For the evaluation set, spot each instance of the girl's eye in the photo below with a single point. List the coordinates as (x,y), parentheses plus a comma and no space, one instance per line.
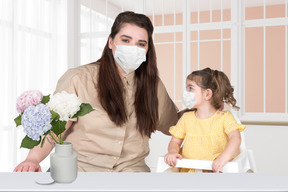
(189,88)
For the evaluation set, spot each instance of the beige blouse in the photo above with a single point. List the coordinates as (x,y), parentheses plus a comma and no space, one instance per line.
(98,142)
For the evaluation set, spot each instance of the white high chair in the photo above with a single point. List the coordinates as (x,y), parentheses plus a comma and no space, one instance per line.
(243,163)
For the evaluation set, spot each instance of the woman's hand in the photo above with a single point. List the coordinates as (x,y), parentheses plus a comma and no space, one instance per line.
(28,166)
(170,158)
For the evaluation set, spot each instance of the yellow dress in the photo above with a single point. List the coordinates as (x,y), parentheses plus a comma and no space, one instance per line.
(204,139)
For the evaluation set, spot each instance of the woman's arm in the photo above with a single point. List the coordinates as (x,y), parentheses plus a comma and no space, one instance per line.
(37,154)
(167,110)
(230,150)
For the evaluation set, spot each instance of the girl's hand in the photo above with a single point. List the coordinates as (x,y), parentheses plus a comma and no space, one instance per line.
(170,158)
(219,163)
(230,150)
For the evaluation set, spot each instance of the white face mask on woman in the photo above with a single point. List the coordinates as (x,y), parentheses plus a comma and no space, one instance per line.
(129,57)
(188,99)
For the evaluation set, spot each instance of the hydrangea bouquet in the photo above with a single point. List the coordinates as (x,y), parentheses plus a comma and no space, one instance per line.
(41,115)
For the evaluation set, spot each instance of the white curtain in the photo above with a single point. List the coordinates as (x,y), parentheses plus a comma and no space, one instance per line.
(94,29)
(33,55)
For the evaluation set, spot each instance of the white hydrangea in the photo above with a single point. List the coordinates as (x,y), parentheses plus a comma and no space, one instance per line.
(65,104)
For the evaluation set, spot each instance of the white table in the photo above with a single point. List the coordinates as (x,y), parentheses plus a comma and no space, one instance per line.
(148,182)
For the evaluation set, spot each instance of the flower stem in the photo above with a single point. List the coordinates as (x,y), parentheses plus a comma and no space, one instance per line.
(60,139)
(53,137)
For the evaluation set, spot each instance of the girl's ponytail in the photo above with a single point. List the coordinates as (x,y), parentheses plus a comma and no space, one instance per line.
(224,91)
(218,82)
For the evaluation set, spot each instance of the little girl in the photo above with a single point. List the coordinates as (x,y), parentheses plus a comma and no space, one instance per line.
(208,133)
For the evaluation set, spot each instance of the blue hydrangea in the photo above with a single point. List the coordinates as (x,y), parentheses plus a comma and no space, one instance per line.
(36,121)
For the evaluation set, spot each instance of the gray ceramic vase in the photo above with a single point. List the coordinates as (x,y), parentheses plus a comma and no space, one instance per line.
(63,163)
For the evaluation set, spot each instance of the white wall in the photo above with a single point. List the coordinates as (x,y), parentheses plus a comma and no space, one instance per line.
(158,147)
(269,145)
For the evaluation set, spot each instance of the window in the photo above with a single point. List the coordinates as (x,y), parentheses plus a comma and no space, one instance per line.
(265,43)
(245,39)
(33,56)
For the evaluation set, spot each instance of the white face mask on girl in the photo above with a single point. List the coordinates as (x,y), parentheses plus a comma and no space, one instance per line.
(129,57)
(188,99)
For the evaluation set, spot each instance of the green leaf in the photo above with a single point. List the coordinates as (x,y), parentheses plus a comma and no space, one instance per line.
(18,120)
(58,127)
(55,116)
(85,108)
(29,143)
(45,99)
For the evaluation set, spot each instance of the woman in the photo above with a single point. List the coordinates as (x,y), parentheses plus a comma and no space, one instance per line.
(129,99)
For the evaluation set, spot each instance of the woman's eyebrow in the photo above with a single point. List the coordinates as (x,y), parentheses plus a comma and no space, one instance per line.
(144,41)
(129,37)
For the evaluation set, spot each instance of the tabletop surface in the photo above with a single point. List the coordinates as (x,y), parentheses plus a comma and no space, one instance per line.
(94,181)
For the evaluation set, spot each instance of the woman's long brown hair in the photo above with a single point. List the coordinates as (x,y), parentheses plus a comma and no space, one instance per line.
(110,86)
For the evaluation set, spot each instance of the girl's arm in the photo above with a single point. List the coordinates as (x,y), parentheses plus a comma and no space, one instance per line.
(230,150)
(173,151)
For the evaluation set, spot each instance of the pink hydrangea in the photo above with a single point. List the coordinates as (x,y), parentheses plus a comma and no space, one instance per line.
(28,98)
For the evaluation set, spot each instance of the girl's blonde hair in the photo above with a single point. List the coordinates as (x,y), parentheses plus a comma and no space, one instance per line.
(218,82)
